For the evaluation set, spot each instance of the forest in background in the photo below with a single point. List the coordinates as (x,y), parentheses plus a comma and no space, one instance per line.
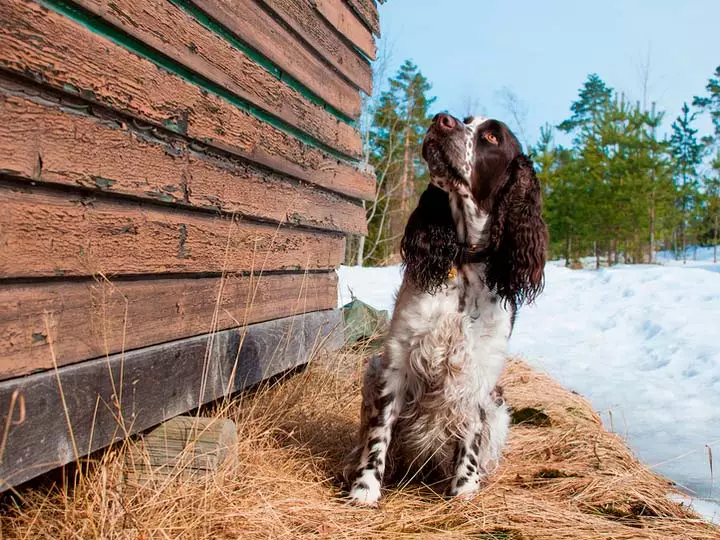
(618,191)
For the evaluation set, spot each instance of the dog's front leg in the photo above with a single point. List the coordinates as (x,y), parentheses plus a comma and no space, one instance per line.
(468,467)
(383,399)
(479,452)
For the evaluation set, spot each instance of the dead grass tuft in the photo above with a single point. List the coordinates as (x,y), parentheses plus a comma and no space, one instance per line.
(563,477)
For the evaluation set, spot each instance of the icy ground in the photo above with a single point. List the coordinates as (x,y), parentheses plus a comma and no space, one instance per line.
(642,343)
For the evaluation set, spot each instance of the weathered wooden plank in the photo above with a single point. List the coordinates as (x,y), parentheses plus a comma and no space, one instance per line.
(323,36)
(143,388)
(261,31)
(341,17)
(93,318)
(48,233)
(54,50)
(169,29)
(41,142)
(185,448)
(367,12)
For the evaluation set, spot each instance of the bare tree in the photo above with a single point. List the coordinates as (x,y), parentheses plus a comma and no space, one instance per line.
(369,106)
(471,106)
(517,110)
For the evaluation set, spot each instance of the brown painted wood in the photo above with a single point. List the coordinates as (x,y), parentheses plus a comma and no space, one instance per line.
(169,29)
(143,388)
(367,12)
(50,233)
(56,51)
(41,142)
(342,18)
(247,19)
(96,317)
(324,37)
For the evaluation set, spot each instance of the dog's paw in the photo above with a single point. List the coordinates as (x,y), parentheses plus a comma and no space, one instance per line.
(365,491)
(464,490)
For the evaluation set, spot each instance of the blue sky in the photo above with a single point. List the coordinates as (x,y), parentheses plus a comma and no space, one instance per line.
(543,51)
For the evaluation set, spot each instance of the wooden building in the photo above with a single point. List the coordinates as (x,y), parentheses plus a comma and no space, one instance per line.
(177,178)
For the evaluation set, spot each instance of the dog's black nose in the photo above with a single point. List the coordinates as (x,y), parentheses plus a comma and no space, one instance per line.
(445,122)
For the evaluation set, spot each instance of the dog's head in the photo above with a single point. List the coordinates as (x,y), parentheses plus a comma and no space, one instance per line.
(480,158)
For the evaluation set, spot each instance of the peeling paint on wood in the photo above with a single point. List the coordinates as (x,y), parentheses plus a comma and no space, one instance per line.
(81,150)
(173,31)
(133,85)
(43,232)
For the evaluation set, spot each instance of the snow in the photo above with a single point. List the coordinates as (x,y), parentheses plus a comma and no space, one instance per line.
(641,342)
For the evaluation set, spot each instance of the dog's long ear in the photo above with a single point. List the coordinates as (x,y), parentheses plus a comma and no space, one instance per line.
(429,245)
(518,236)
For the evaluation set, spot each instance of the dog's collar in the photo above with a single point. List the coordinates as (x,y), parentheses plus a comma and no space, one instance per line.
(471,253)
(468,254)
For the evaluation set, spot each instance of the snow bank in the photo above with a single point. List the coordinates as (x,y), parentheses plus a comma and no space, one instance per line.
(642,343)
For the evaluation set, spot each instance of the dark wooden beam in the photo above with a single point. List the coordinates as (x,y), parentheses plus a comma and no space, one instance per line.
(106,399)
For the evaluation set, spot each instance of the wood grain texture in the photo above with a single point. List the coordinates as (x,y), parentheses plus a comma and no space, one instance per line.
(261,31)
(184,448)
(341,17)
(94,318)
(41,142)
(56,51)
(324,37)
(367,12)
(169,29)
(48,233)
(143,388)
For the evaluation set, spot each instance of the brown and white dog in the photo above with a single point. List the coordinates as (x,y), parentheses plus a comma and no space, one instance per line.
(474,252)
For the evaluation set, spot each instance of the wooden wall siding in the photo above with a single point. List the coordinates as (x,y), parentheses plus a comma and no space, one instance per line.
(367,12)
(271,38)
(342,18)
(174,32)
(94,318)
(144,388)
(42,140)
(76,60)
(322,36)
(47,233)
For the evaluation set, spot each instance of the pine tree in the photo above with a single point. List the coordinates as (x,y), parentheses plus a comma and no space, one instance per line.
(712,198)
(612,191)
(593,98)
(711,102)
(399,125)
(687,152)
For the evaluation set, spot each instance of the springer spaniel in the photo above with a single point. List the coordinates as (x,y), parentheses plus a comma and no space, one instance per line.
(474,251)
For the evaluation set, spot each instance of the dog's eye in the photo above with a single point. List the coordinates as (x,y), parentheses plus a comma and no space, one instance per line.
(489,137)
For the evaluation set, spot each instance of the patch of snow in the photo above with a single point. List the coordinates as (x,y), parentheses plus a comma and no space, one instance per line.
(707,508)
(377,287)
(641,342)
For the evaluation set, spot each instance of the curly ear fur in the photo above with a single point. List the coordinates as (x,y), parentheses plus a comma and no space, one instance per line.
(518,236)
(429,245)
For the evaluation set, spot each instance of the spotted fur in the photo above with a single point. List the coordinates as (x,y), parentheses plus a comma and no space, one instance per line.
(432,400)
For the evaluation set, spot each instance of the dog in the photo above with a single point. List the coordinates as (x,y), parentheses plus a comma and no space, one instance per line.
(474,251)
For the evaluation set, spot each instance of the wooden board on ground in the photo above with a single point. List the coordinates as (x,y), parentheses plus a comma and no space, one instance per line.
(181,449)
(172,31)
(107,399)
(68,322)
(75,60)
(43,141)
(47,233)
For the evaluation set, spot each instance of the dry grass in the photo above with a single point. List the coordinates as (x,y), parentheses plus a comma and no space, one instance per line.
(564,477)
